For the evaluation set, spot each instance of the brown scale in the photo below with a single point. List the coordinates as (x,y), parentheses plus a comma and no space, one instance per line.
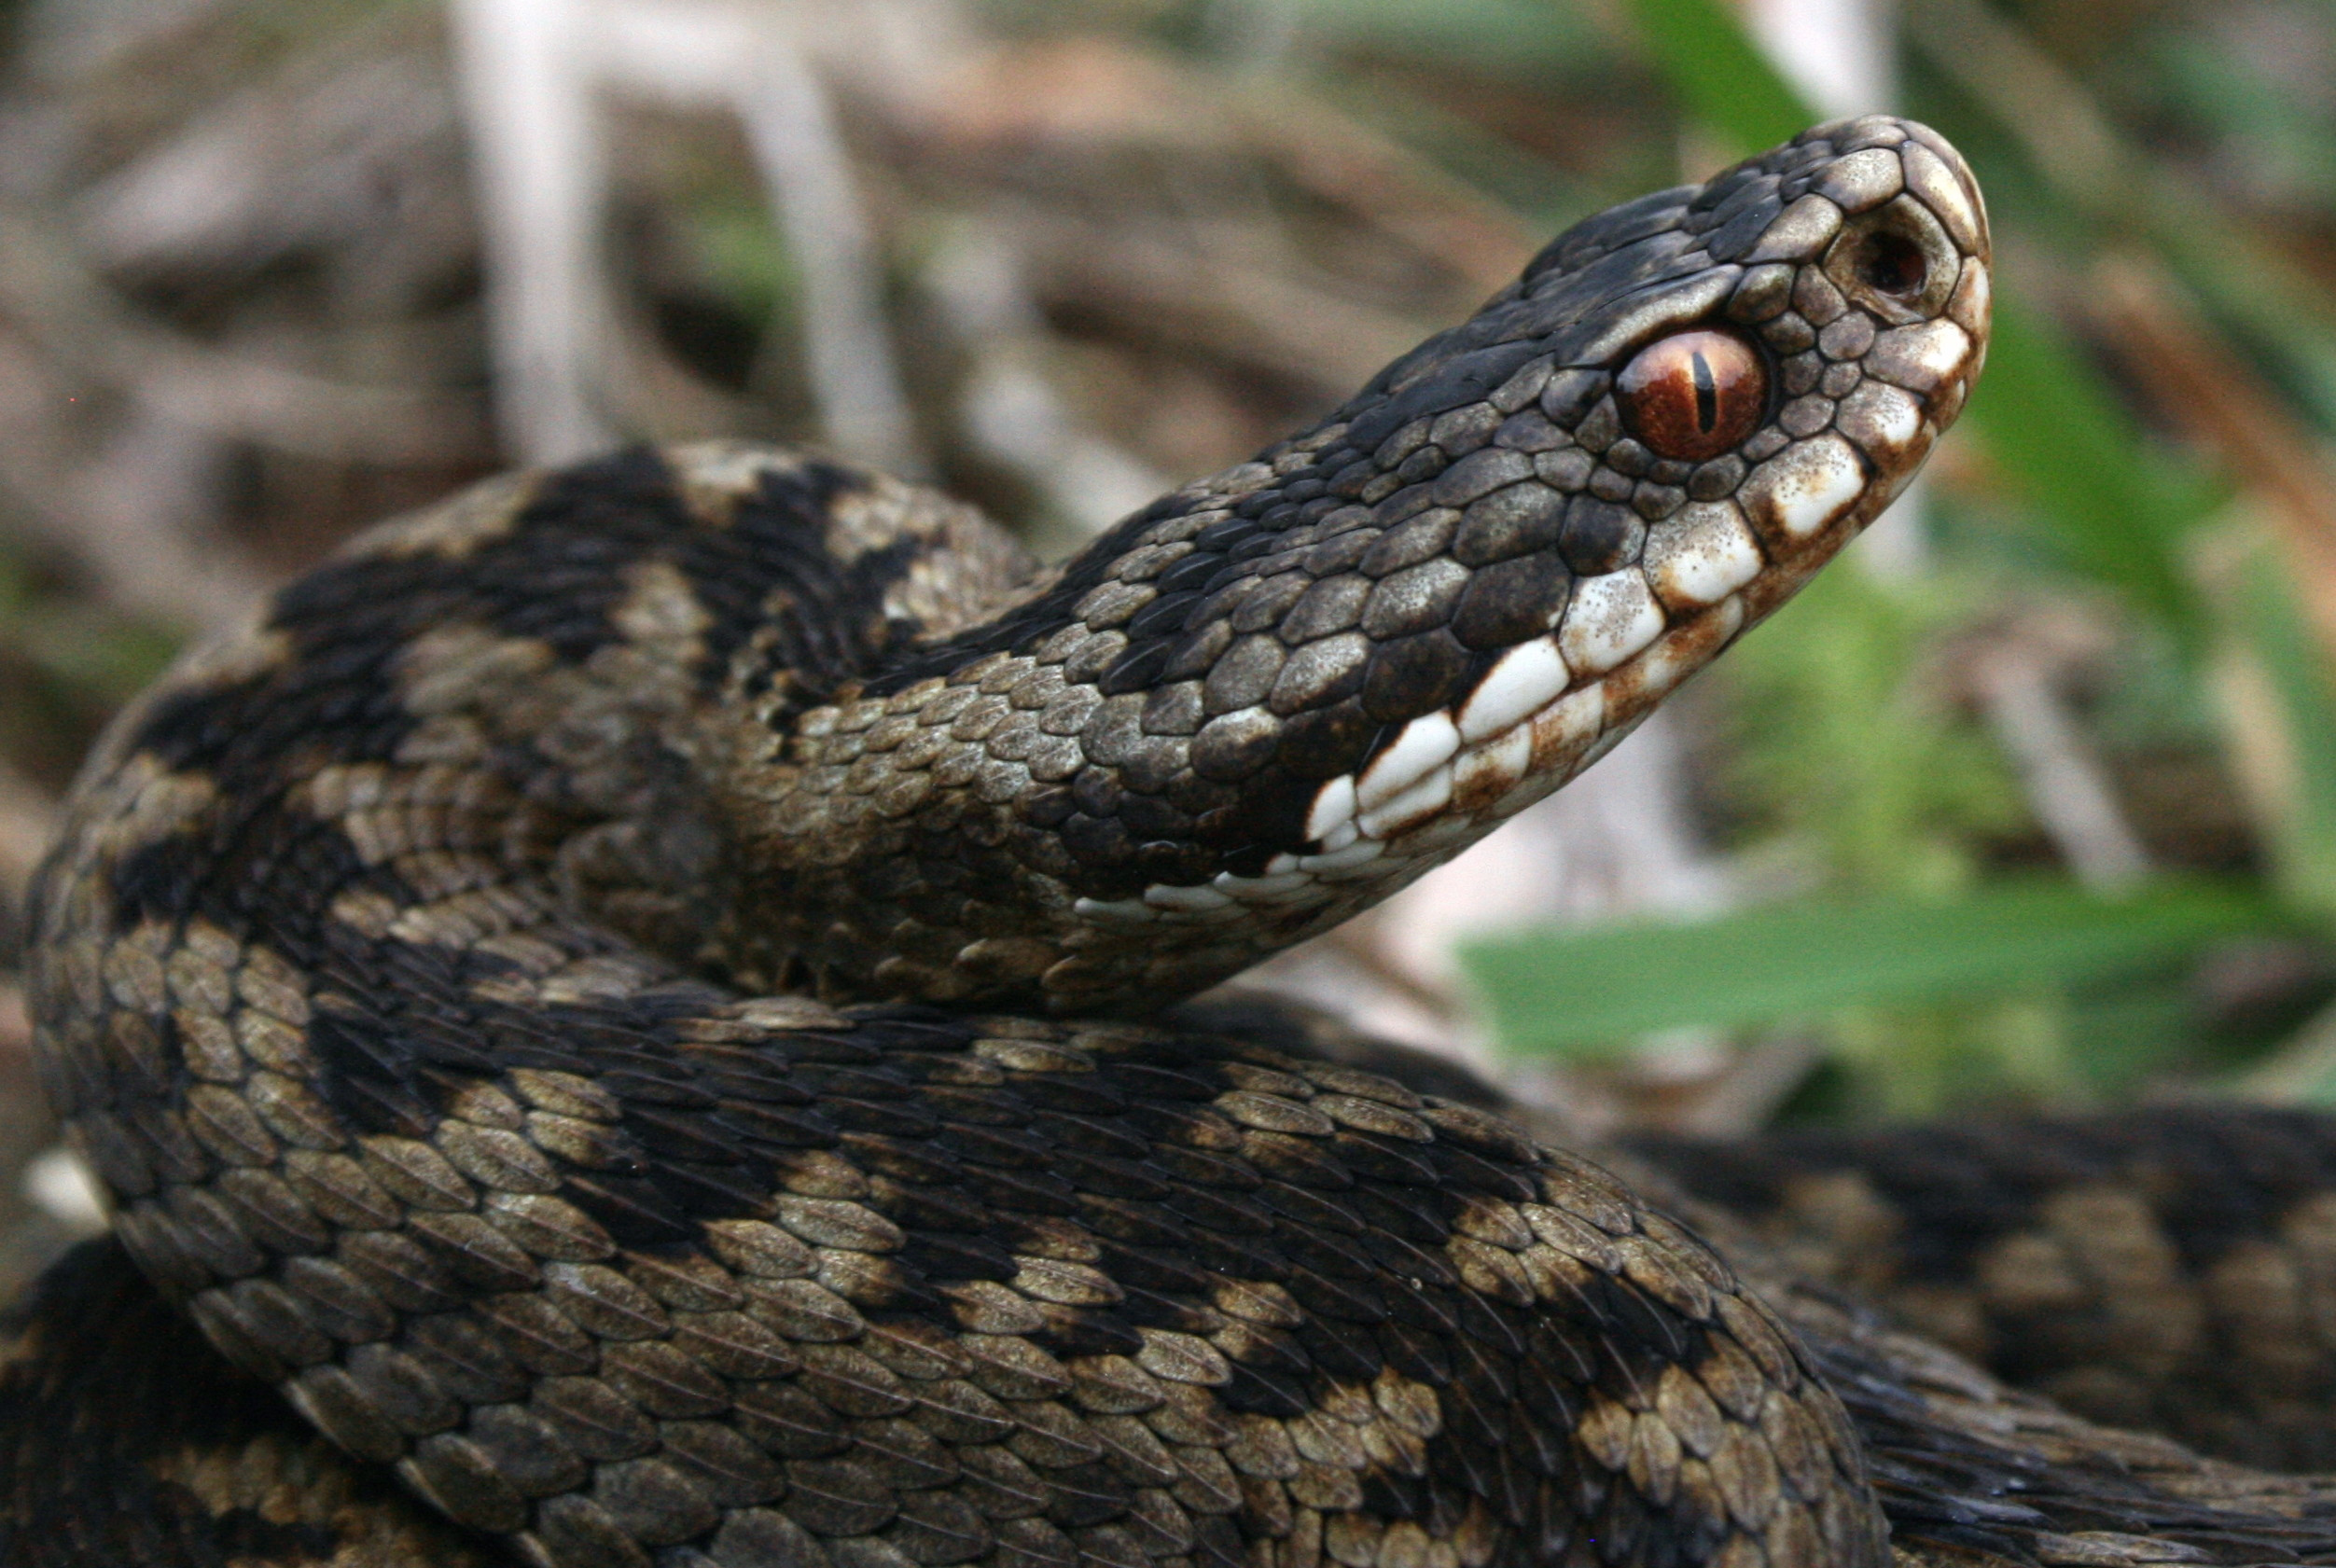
(630,999)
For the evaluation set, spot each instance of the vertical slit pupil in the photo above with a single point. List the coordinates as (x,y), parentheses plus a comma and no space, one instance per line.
(1706,395)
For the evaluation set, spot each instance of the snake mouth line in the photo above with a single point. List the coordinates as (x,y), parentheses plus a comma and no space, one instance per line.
(1529,727)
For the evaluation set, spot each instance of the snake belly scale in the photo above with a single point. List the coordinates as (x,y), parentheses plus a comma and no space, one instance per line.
(634,999)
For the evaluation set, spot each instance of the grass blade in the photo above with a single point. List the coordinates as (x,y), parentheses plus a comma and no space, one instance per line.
(1719,73)
(1558,992)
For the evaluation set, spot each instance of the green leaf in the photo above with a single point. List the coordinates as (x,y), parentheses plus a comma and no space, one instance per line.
(2299,831)
(1564,991)
(1830,748)
(1719,73)
(2118,509)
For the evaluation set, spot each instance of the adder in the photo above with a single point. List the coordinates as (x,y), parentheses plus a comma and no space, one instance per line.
(639,1017)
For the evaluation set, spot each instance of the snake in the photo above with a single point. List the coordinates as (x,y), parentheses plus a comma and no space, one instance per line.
(651,1016)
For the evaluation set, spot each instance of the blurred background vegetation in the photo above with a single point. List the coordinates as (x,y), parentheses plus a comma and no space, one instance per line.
(2032,802)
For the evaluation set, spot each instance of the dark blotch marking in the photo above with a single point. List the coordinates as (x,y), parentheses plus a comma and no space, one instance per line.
(1413,675)
(251,866)
(2214,1179)
(774,568)
(97,1338)
(555,575)
(1510,601)
(1600,536)
(1324,742)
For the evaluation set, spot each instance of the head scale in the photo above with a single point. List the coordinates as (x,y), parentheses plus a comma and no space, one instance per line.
(1285,691)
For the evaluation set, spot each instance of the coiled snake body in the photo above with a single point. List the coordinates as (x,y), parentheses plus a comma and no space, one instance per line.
(632,999)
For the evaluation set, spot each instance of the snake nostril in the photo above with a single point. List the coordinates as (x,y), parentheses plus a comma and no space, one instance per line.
(1892,264)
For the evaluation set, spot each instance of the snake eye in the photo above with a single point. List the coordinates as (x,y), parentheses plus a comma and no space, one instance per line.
(1693,394)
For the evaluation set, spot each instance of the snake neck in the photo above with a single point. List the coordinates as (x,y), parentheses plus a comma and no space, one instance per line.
(1281,693)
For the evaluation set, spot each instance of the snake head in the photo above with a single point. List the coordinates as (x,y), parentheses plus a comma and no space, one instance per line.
(1684,407)
(1286,691)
